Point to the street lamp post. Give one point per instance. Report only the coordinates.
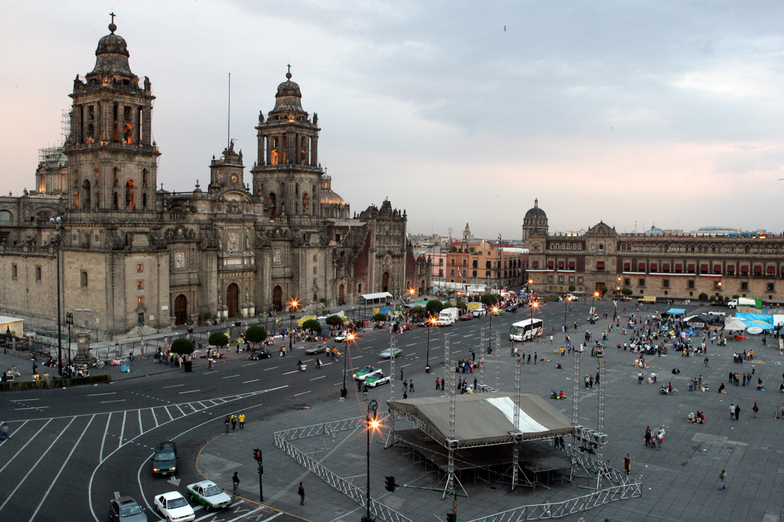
(372, 424)
(431, 322)
(493, 311)
(292, 308)
(566, 303)
(344, 391)
(69, 322)
(58, 224)
(533, 305)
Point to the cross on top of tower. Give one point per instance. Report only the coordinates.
(288, 73)
(112, 27)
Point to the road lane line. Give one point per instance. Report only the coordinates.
(303, 393)
(188, 391)
(287, 373)
(171, 417)
(155, 417)
(231, 376)
(100, 394)
(48, 449)
(317, 378)
(173, 386)
(23, 447)
(249, 364)
(141, 426)
(271, 368)
(208, 373)
(23, 400)
(31, 408)
(253, 380)
(178, 407)
(116, 400)
(122, 428)
(65, 462)
(103, 440)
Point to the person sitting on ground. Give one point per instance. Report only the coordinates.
(561, 395)
(721, 388)
(558, 366)
(701, 417)
(692, 418)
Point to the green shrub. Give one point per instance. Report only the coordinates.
(255, 334)
(182, 346)
(218, 339)
(313, 325)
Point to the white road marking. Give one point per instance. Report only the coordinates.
(31, 408)
(122, 428)
(287, 373)
(23, 400)
(271, 368)
(317, 378)
(231, 376)
(65, 462)
(248, 382)
(28, 442)
(103, 440)
(48, 448)
(116, 400)
(100, 394)
(173, 386)
(303, 393)
(188, 391)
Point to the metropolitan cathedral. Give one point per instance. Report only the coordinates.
(135, 258)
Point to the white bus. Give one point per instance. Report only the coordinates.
(525, 330)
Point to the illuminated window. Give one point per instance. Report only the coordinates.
(139, 284)
(140, 300)
(130, 196)
(140, 267)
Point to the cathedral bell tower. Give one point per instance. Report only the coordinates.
(112, 160)
(287, 176)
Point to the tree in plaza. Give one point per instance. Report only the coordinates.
(418, 311)
(218, 339)
(572, 288)
(603, 290)
(627, 291)
(335, 320)
(182, 346)
(313, 325)
(703, 296)
(462, 305)
(434, 306)
(255, 334)
(489, 300)
(379, 317)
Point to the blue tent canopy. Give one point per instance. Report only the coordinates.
(676, 311)
(759, 320)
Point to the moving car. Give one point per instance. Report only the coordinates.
(387, 354)
(174, 507)
(315, 350)
(377, 378)
(209, 494)
(511, 308)
(164, 462)
(341, 337)
(259, 354)
(466, 316)
(361, 374)
(126, 509)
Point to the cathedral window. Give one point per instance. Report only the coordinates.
(116, 203)
(144, 200)
(305, 202)
(90, 133)
(127, 134)
(76, 199)
(86, 192)
(144, 177)
(272, 205)
(90, 113)
(116, 176)
(127, 113)
(130, 196)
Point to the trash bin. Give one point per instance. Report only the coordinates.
(188, 365)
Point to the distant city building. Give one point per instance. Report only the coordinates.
(137, 258)
(713, 261)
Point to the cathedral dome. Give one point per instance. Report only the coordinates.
(329, 197)
(288, 97)
(535, 216)
(112, 54)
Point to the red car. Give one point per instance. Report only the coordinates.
(466, 316)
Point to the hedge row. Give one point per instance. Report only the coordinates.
(55, 383)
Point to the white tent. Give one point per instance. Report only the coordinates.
(733, 324)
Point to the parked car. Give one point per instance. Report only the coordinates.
(259, 354)
(174, 507)
(361, 374)
(466, 316)
(341, 337)
(387, 354)
(164, 462)
(126, 509)
(377, 378)
(315, 350)
(209, 494)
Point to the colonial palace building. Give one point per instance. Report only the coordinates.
(137, 259)
(654, 263)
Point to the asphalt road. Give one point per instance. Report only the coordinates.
(71, 449)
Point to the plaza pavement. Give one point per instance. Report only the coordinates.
(680, 480)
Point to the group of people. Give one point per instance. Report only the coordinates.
(654, 440)
(233, 419)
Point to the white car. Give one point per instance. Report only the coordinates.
(377, 378)
(340, 338)
(210, 494)
(174, 507)
(387, 354)
(717, 313)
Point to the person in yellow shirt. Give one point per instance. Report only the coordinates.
(242, 420)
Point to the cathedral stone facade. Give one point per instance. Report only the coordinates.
(137, 259)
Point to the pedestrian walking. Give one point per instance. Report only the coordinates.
(737, 412)
(411, 385)
(301, 493)
(438, 384)
(755, 409)
(405, 385)
(647, 436)
(627, 464)
(236, 481)
(442, 383)
(401, 373)
(233, 421)
(723, 478)
(226, 422)
(241, 418)
(732, 411)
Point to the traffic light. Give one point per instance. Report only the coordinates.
(451, 517)
(390, 484)
(257, 455)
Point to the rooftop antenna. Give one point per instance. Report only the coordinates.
(228, 130)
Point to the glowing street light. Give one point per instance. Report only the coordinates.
(431, 322)
(349, 338)
(533, 305)
(493, 311)
(372, 425)
(292, 308)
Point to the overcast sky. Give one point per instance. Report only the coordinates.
(634, 113)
